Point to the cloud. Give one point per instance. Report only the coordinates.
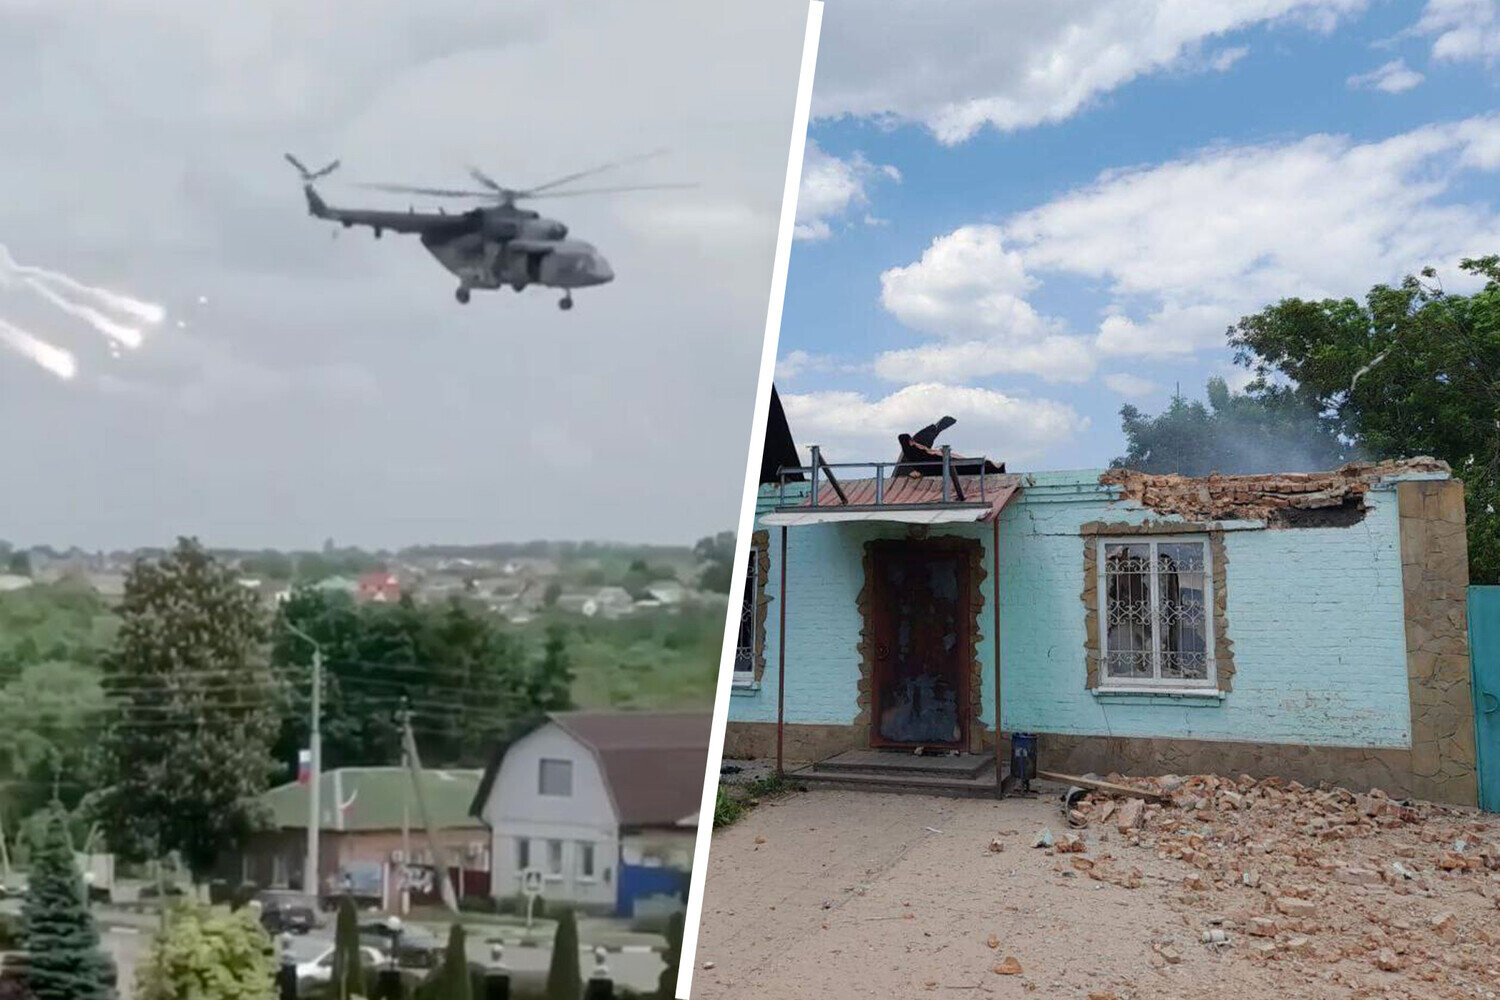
(852, 427)
(1188, 246)
(831, 187)
(1130, 386)
(1395, 77)
(1462, 30)
(1225, 59)
(1016, 64)
(969, 289)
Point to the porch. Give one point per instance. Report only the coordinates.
(921, 726)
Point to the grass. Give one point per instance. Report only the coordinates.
(733, 801)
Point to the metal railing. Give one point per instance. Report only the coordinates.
(819, 470)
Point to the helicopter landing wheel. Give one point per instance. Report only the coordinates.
(566, 302)
(462, 294)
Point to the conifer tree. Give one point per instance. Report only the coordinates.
(564, 979)
(63, 958)
(348, 972)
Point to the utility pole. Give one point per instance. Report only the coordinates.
(315, 777)
(414, 768)
(405, 824)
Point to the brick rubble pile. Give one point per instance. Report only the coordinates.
(1385, 898)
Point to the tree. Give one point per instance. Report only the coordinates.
(187, 752)
(717, 553)
(551, 681)
(47, 719)
(18, 563)
(564, 978)
(550, 595)
(208, 952)
(666, 984)
(1412, 370)
(348, 975)
(452, 980)
(1273, 431)
(63, 958)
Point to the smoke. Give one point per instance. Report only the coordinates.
(51, 357)
(123, 319)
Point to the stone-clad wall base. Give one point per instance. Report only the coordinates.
(1355, 768)
(801, 743)
(804, 744)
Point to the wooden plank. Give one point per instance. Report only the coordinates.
(1101, 786)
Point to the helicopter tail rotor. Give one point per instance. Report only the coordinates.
(309, 176)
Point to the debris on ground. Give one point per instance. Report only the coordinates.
(1043, 839)
(1009, 967)
(1313, 875)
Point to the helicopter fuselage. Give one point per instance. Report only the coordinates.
(488, 248)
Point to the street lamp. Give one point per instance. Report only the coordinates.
(315, 776)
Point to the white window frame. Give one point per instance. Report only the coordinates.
(1156, 683)
(587, 849)
(541, 785)
(556, 874)
(745, 678)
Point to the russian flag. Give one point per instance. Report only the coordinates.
(304, 766)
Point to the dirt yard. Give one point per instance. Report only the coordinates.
(1313, 894)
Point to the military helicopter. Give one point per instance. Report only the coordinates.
(491, 246)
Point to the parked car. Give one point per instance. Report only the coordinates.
(285, 911)
(415, 947)
(317, 971)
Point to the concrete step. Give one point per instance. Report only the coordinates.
(960, 766)
(979, 786)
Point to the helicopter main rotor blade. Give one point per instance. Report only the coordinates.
(435, 192)
(608, 190)
(568, 178)
(301, 167)
(486, 180)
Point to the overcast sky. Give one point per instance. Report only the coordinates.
(300, 386)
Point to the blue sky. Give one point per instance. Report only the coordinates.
(1027, 215)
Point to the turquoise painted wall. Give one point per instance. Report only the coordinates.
(1315, 615)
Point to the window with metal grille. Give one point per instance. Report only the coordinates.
(747, 648)
(1155, 612)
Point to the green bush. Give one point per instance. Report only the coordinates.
(208, 945)
(727, 808)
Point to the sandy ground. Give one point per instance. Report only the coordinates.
(856, 894)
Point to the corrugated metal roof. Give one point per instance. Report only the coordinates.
(907, 499)
(373, 797)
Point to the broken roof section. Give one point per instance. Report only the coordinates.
(1288, 499)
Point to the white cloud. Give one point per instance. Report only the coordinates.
(969, 289)
(831, 187)
(1395, 77)
(795, 363)
(1016, 63)
(1225, 59)
(852, 427)
(1462, 30)
(1130, 386)
(1188, 246)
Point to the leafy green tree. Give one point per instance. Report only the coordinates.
(1411, 370)
(1272, 431)
(187, 748)
(208, 953)
(48, 716)
(348, 976)
(550, 595)
(64, 961)
(717, 554)
(551, 681)
(564, 977)
(18, 563)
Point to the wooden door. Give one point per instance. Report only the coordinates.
(921, 622)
